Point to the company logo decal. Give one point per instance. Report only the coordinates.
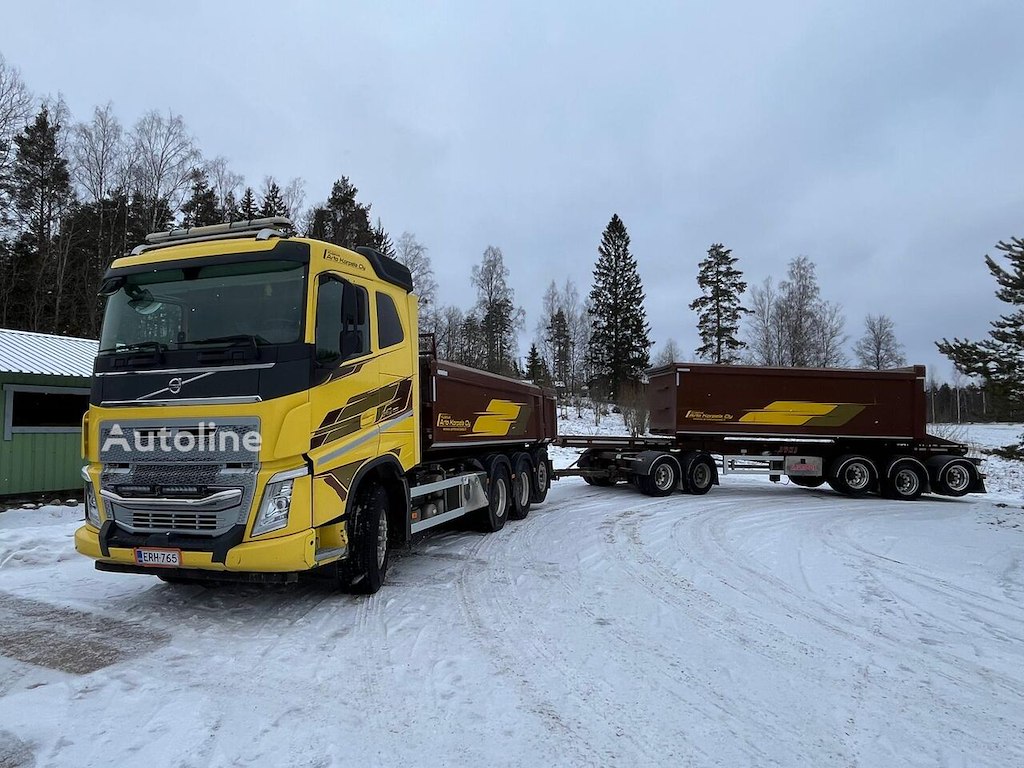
(792, 413)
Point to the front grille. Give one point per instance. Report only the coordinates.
(193, 522)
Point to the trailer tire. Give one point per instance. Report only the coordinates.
(905, 480)
(522, 486)
(852, 475)
(600, 482)
(953, 475)
(371, 549)
(699, 475)
(541, 477)
(663, 478)
(499, 494)
(806, 482)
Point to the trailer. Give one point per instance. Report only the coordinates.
(262, 407)
(859, 431)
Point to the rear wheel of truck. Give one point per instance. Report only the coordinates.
(904, 480)
(699, 474)
(852, 475)
(522, 486)
(369, 547)
(662, 480)
(541, 479)
(499, 495)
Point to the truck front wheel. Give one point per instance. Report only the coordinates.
(370, 551)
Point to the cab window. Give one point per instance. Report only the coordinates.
(389, 324)
(342, 321)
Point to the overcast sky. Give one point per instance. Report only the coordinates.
(881, 139)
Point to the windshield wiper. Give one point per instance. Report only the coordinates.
(238, 338)
(139, 346)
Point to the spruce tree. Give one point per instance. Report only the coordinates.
(201, 207)
(499, 317)
(999, 360)
(619, 343)
(247, 208)
(342, 220)
(273, 202)
(537, 368)
(719, 310)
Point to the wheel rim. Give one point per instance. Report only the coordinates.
(958, 477)
(523, 480)
(906, 482)
(857, 476)
(382, 540)
(500, 496)
(701, 475)
(542, 474)
(664, 477)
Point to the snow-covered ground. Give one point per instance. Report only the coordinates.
(758, 625)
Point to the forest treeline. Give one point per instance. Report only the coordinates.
(77, 193)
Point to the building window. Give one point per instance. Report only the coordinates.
(31, 409)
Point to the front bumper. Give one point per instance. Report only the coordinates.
(282, 554)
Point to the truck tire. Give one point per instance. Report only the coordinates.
(852, 475)
(499, 494)
(952, 475)
(600, 482)
(522, 486)
(541, 477)
(904, 480)
(370, 546)
(699, 474)
(663, 478)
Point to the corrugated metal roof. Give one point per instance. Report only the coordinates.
(26, 352)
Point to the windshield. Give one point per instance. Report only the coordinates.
(261, 302)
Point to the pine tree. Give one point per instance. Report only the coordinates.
(40, 186)
(273, 202)
(200, 209)
(999, 360)
(560, 342)
(619, 343)
(341, 220)
(719, 310)
(247, 208)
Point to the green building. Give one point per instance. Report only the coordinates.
(44, 391)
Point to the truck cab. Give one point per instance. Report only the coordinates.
(247, 383)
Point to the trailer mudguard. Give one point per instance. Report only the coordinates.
(645, 460)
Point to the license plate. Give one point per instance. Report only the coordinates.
(159, 558)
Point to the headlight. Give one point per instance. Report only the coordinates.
(92, 510)
(276, 503)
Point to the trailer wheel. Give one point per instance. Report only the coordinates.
(953, 476)
(662, 480)
(700, 474)
(852, 475)
(806, 482)
(522, 486)
(904, 481)
(370, 550)
(541, 477)
(499, 494)
(601, 482)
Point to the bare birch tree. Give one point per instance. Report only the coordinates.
(165, 155)
(878, 347)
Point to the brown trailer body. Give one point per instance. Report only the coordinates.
(465, 407)
(688, 398)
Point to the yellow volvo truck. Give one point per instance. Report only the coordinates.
(261, 408)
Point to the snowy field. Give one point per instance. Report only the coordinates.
(759, 625)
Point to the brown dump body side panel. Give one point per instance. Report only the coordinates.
(748, 400)
(468, 407)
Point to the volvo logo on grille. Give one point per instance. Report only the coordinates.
(174, 385)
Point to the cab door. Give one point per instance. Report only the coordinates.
(345, 392)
